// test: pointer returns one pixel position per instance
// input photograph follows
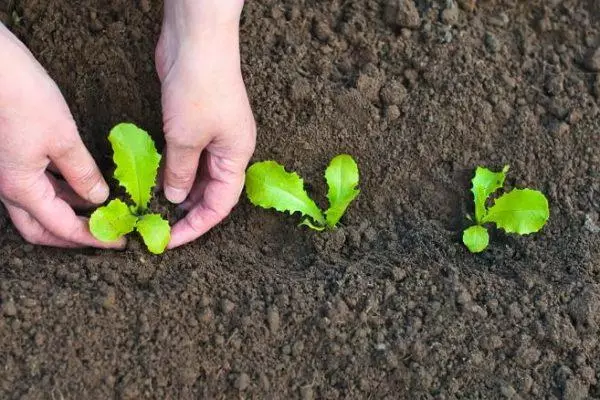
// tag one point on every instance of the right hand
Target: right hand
(37, 132)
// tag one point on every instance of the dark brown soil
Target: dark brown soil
(390, 305)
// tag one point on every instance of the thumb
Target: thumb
(78, 168)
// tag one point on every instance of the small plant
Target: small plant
(269, 185)
(137, 163)
(520, 211)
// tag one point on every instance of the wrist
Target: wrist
(204, 16)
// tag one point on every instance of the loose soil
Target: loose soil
(390, 305)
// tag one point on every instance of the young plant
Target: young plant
(269, 185)
(520, 211)
(137, 163)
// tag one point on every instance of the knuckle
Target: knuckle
(64, 146)
(180, 136)
(86, 175)
(10, 191)
(74, 233)
(184, 142)
(179, 177)
(33, 234)
(17, 189)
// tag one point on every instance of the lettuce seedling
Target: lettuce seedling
(521, 211)
(269, 185)
(137, 163)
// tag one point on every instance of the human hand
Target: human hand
(209, 127)
(37, 133)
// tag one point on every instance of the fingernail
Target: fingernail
(175, 195)
(99, 193)
(121, 244)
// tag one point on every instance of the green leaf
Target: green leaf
(269, 185)
(111, 222)
(485, 182)
(155, 231)
(519, 211)
(137, 162)
(476, 238)
(342, 178)
(307, 222)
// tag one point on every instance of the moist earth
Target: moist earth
(390, 305)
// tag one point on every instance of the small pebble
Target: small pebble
(145, 6)
(227, 306)
(273, 319)
(592, 60)
(491, 42)
(39, 338)
(393, 112)
(450, 14)
(402, 14)
(9, 309)
(109, 300)
(508, 391)
(467, 5)
(242, 382)
(15, 262)
(500, 20)
(307, 393)
(322, 31)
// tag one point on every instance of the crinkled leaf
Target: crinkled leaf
(476, 238)
(269, 185)
(112, 221)
(519, 211)
(155, 231)
(485, 182)
(137, 162)
(342, 178)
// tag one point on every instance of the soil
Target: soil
(390, 305)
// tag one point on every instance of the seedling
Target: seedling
(269, 185)
(137, 163)
(520, 211)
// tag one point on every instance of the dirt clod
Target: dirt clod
(450, 14)
(402, 14)
(322, 30)
(491, 42)
(574, 389)
(592, 60)
(393, 92)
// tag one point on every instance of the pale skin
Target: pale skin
(207, 121)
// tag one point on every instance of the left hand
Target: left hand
(208, 123)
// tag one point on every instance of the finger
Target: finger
(78, 168)
(55, 215)
(180, 171)
(32, 231)
(196, 193)
(65, 192)
(216, 201)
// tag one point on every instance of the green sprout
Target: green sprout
(520, 211)
(137, 164)
(269, 185)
